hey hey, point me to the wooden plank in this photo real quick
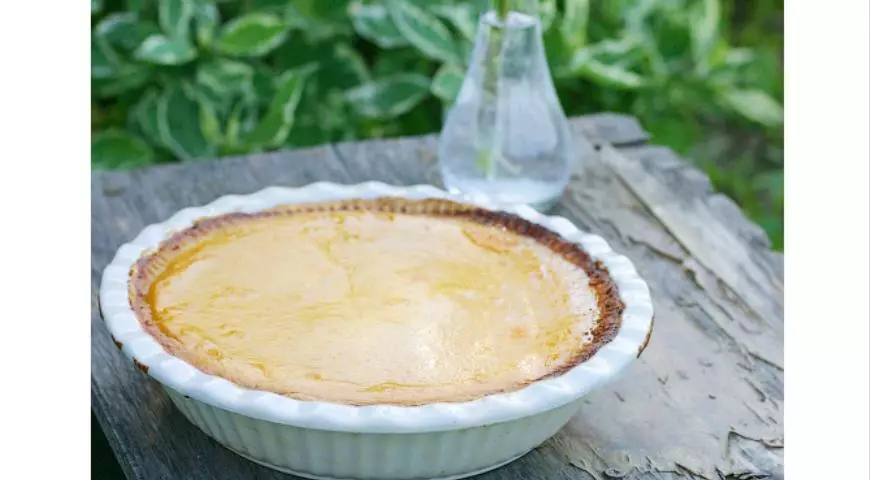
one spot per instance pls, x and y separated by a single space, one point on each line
728 252
405 161
613 129
698 401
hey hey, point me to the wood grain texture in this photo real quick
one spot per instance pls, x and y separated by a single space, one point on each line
705 400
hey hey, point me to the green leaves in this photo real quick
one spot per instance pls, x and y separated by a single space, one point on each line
121 80
447 82
144 116
574 22
252 35
423 31
113 42
389 97
372 22
406 60
346 67
611 75
274 127
162 50
547 11
738 57
124 31
210 122
113 149
225 77
241 122
463 16
103 65
605 63
319 20
704 32
754 105
175 17
207 19
178 124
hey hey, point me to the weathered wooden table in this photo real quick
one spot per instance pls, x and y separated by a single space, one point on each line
705 400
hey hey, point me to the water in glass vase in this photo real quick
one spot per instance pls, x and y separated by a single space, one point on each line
506 136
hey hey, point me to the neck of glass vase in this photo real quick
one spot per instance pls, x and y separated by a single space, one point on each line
508 48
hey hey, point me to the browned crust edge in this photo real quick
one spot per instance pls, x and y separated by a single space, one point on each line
141 366
610 306
643 345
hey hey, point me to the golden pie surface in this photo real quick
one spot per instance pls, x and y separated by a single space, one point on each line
368 304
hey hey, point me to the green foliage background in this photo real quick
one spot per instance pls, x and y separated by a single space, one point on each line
186 80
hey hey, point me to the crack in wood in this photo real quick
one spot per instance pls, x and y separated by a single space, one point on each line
662 251
766 360
615 473
775 443
762 396
703 278
755 412
744 475
748 368
727 333
586 471
692 473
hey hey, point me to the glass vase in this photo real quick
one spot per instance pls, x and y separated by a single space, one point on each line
506 136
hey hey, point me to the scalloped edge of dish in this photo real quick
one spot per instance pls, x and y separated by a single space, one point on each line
544 395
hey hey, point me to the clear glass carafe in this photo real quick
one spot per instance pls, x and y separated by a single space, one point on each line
506 136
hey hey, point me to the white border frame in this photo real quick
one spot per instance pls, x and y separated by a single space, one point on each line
538 397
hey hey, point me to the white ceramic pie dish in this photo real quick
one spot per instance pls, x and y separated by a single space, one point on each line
334 441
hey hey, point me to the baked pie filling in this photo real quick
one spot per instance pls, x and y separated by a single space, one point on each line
385 301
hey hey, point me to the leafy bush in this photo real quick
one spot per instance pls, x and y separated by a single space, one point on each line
182 80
